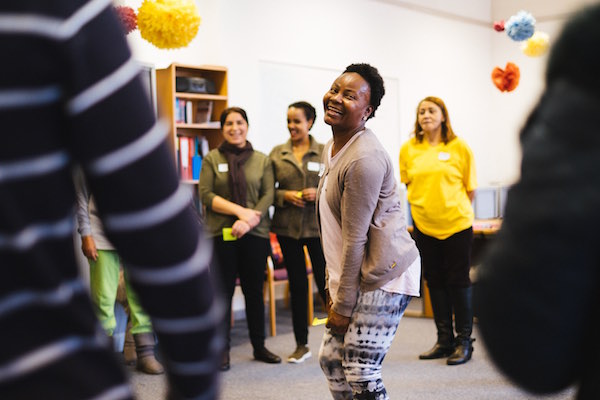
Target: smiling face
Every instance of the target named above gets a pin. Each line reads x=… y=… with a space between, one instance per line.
x=235 y=129
x=346 y=104
x=297 y=124
x=430 y=116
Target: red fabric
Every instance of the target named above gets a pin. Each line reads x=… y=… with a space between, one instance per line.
x=276 y=250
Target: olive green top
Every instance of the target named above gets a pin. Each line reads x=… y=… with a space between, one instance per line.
x=289 y=220
x=214 y=181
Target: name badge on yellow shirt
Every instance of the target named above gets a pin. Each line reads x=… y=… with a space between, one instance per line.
x=223 y=167
x=313 y=166
x=443 y=156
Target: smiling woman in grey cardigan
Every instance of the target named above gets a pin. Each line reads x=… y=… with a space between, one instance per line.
x=373 y=266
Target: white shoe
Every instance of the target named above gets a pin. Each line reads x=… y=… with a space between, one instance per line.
x=302 y=353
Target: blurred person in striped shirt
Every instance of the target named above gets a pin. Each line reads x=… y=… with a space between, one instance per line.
x=70 y=94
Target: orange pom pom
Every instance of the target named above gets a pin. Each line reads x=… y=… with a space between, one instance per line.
x=506 y=80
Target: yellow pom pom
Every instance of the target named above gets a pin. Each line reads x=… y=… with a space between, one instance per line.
x=536 y=45
x=168 y=24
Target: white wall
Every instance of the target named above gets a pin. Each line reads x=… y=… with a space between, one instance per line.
x=418 y=53
x=510 y=110
x=449 y=53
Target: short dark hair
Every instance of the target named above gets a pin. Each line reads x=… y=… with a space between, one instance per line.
x=375 y=81
x=309 y=111
x=230 y=110
x=574 y=56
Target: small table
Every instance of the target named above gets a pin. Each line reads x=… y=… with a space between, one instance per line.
x=482 y=228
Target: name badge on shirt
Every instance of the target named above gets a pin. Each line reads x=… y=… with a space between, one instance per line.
x=223 y=167
x=443 y=156
x=313 y=166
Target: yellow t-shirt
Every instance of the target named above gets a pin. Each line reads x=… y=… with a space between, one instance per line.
x=438 y=179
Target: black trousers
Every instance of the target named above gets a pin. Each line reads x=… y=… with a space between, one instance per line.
x=445 y=262
x=246 y=258
x=293 y=257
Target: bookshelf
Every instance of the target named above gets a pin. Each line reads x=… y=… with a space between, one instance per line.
x=191 y=116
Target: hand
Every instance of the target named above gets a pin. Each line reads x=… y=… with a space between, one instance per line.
x=88 y=247
x=250 y=216
x=309 y=194
x=337 y=323
x=240 y=228
x=294 y=197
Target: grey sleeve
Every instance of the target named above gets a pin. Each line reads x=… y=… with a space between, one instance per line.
x=82 y=198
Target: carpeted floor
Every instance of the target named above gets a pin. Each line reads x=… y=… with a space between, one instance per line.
x=404 y=375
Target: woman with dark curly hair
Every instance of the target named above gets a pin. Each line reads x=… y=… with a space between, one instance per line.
x=373 y=266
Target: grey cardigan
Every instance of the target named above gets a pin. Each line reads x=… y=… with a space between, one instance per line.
x=363 y=196
x=288 y=220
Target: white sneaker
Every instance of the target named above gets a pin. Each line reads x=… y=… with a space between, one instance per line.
x=302 y=353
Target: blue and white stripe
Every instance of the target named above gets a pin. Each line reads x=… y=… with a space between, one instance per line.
x=115 y=393
x=57 y=297
x=195 y=324
x=32 y=234
x=48 y=27
x=126 y=155
x=33 y=167
x=47 y=355
x=100 y=90
x=29 y=97
x=168 y=275
x=150 y=216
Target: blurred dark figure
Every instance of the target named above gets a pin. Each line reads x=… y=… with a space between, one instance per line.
x=537 y=296
x=70 y=93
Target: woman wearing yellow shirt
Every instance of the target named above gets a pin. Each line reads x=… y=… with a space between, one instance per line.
x=439 y=171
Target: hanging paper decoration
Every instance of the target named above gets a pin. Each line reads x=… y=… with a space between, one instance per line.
x=506 y=80
x=536 y=45
x=168 y=24
x=499 y=26
x=520 y=26
x=127 y=17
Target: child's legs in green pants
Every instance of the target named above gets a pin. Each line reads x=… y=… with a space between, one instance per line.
x=104 y=281
x=140 y=320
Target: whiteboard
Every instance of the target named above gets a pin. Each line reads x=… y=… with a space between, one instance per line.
x=282 y=84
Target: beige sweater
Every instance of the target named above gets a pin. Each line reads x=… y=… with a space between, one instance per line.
x=363 y=196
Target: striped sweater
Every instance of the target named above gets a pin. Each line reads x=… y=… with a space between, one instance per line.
x=70 y=94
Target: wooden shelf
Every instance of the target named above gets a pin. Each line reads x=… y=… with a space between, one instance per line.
x=173 y=106
x=200 y=96
x=205 y=125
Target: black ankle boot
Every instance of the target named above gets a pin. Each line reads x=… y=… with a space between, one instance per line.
x=463 y=314
x=264 y=355
x=225 y=364
x=437 y=351
x=462 y=354
x=442 y=315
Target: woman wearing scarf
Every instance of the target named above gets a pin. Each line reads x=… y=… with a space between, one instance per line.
x=236 y=188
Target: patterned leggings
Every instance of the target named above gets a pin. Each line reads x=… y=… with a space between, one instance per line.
x=352 y=362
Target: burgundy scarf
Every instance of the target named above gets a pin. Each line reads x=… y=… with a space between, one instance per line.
x=236 y=157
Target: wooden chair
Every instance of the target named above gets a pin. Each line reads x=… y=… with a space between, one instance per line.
x=279 y=277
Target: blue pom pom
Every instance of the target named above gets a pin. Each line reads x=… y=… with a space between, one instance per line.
x=520 y=26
